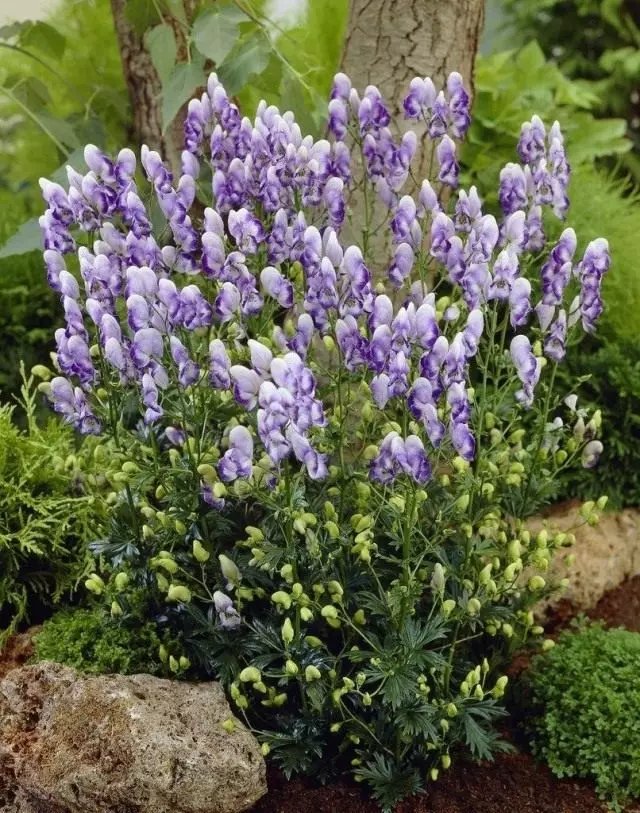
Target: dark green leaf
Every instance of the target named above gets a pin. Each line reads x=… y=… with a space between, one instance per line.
x=45 y=38
x=142 y=15
x=252 y=57
x=27 y=238
x=180 y=87
x=161 y=44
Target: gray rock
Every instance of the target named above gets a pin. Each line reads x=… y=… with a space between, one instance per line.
x=121 y=744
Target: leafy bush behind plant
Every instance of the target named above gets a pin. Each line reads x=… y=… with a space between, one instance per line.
x=594 y=41
x=46 y=520
x=93 y=642
x=586 y=701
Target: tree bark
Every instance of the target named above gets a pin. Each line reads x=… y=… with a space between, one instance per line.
x=389 y=42
x=144 y=85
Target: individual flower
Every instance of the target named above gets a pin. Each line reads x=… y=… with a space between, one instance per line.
x=237 y=461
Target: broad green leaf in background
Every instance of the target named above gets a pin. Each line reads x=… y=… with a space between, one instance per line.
x=216 y=32
x=161 y=44
x=180 y=87
x=250 y=58
x=45 y=38
x=27 y=238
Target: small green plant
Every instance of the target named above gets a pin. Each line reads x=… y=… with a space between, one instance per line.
x=45 y=517
x=587 y=699
x=91 y=641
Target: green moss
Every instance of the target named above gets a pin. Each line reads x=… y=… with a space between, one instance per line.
x=586 y=694
x=92 y=642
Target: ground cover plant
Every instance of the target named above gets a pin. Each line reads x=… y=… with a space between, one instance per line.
x=317 y=454
x=46 y=516
x=584 y=695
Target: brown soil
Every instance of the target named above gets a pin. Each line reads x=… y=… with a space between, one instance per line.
x=513 y=783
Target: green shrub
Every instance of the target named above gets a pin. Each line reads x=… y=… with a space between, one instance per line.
x=46 y=520
x=586 y=695
x=92 y=642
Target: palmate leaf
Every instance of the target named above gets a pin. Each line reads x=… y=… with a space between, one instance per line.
x=389 y=783
x=418 y=721
x=483 y=741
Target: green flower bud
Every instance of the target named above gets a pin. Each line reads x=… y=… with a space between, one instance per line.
x=460 y=464
x=287 y=632
x=444 y=725
x=462 y=503
x=180 y=527
x=313 y=642
x=359 y=618
x=536 y=583
x=398 y=502
x=229 y=726
x=265 y=749
x=291 y=668
x=329 y=343
x=184 y=662
x=250 y=675
x=448 y=607
x=173 y=664
x=229 y=569
x=312 y=673
x=170 y=565
x=200 y=553
x=162 y=582
x=445 y=480
x=329 y=611
x=163 y=654
x=473 y=606
x=306 y=614
x=507 y=630
x=286 y=571
x=178 y=592
x=485 y=574
x=281 y=598
x=446 y=761
x=332 y=529
x=260 y=687
x=116 y=609
x=548 y=644
x=121 y=581
x=464 y=689
x=451 y=709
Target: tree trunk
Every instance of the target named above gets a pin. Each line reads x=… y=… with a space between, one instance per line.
x=144 y=85
x=389 y=42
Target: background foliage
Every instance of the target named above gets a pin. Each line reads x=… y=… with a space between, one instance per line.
x=594 y=41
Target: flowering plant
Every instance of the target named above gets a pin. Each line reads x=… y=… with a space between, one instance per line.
x=320 y=479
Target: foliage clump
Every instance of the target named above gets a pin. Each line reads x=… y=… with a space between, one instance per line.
x=46 y=518
x=93 y=642
x=586 y=695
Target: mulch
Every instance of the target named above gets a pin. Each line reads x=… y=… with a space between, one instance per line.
x=513 y=783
